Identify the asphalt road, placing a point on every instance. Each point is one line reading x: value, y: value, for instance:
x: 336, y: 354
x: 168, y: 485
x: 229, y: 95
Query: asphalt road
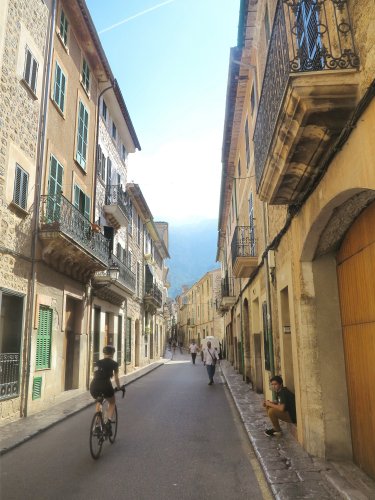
x: 178, y: 438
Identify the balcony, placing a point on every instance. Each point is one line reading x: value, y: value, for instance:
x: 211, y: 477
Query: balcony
x: 115, y: 283
x: 70, y: 244
x: 309, y: 92
x: 228, y: 297
x: 116, y: 207
x: 152, y: 298
x: 243, y: 248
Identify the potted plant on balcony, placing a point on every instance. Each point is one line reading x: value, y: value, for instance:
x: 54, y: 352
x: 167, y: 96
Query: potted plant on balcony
x: 95, y: 227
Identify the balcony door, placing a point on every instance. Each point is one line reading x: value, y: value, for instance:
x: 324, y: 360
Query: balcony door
x: 356, y: 271
x: 308, y: 36
x: 55, y: 189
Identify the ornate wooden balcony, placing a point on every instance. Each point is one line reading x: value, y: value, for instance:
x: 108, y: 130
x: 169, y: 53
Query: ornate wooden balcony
x: 116, y: 283
x: 116, y: 207
x: 309, y: 92
x: 70, y: 244
x: 243, y: 248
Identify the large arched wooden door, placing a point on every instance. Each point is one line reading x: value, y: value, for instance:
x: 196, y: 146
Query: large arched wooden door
x: 356, y: 279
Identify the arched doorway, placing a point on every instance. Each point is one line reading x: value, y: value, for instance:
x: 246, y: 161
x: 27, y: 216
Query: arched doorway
x: 356, y: 272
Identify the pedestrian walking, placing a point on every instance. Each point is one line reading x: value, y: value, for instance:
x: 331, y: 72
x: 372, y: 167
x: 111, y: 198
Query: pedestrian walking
x: 193, y: 349
x: 210, y: 358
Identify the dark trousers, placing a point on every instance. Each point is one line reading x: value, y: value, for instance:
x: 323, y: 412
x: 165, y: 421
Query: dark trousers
x: 193, y: 356
x: 211, y: 372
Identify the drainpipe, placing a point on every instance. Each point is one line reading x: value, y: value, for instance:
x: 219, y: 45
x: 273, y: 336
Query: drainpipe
x: 268, y: 293
x: 35, y: 221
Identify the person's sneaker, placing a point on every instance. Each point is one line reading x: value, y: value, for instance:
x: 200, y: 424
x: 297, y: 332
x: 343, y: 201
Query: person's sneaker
x: 272, y: 432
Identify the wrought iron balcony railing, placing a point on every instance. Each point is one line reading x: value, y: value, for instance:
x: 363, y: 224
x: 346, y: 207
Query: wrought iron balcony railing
x: 307, y: 35
x: 153, y: 292
x: 243, y: 243
x: 58, y: 214
x: 227, y: 287
x: 114, y: 195
x: 9, y: 375
x: 126, y: 276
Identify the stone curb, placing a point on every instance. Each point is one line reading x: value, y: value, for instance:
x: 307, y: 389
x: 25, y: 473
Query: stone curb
x: 82, y: 401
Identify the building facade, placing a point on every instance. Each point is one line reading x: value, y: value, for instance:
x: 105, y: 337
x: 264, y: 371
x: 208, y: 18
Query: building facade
x: 296, y: 224
x: 24, y: 36
x: 197, y: 310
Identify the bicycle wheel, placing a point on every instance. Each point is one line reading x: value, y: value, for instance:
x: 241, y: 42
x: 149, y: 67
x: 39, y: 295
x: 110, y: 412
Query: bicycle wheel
x: 96, y: 435
x: 114, y: 426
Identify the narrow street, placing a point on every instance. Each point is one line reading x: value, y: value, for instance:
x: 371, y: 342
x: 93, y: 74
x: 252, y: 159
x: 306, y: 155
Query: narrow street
x: 177, y: 438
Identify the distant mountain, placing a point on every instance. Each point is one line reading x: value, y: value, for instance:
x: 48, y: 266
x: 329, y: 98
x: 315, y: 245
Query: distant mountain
x: 192, y: 248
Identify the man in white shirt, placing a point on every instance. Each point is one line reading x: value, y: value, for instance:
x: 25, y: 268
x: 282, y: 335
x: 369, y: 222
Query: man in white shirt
x: 210, y: 358
x: 193, y: 349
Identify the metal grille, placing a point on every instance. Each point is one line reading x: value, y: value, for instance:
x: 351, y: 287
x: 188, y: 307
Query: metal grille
x: 58, y: 214
x: 243, y: 243
x: 9, y: 375
x: 115, y: 195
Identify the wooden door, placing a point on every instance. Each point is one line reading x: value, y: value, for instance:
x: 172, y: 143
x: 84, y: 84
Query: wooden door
x: 356, y: 279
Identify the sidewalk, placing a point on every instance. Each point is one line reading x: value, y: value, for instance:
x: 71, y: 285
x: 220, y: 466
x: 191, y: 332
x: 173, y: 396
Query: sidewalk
x: 290, y: 471
x: 15, y: 433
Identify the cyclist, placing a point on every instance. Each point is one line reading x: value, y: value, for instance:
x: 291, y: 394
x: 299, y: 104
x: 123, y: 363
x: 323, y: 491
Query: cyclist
x: 101, y: 384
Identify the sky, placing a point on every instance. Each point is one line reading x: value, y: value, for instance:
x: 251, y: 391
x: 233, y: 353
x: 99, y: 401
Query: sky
x: 171, y: 60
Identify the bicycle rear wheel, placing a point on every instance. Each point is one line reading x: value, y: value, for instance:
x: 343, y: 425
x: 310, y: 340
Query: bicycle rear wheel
x: 96, y: 435
x: 114, y: 426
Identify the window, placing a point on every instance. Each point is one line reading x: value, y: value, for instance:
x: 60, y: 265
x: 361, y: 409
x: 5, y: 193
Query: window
x: 308, y: 37
x: 252, y: 226
x: 247, y: 143
x: 109, y: 172
x: 55, y: 187
x: 85, y: 76
x: 43, y: 339
x: 64, y: 28
x: 21, y: 181
x: 31, y: 70
x: 130, y: 259
x: 138, y: 279
x: 239, y: 167
x: 59, y: 87
x: 83, y: 121
x: 252, y: 99
x: 267, y: 25
x: 128, y: 341
x: 123, y: 152
x: 104, y: 110
x: 101, y: 164
x: 130, y: 225
x: 82, y: 202
x: 114, y: 131
x: 139, y: 227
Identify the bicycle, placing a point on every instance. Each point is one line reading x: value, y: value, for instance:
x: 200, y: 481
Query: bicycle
x: 99, y: 430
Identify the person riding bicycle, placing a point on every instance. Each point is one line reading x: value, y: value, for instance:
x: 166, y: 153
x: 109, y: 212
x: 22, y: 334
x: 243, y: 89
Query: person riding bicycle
x: 101, y: 384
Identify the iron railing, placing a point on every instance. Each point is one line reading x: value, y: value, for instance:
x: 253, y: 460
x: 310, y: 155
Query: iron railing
x: 227, y: 287
x: 9, y: 375
x: 115, y: 195
x: 243, y: 243
x: 154, y: 292
x: 126, y: 276
x: 58, y: 214
x: 307, y: 35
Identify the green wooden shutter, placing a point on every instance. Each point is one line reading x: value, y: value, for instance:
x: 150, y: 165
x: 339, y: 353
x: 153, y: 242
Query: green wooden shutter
x: 59, y: 88
x: 55, y: 180
x: 43, y: 339
x: 82, y: 133
x: 76, y: 196
x: 37, y: 388
x: 87, y: 207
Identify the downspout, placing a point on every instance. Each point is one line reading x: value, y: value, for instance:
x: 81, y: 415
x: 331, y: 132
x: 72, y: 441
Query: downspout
x: 35, y: 221
x: 268, y: 294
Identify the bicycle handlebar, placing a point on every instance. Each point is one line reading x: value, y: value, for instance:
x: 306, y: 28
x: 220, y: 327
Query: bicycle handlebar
x: 122, y: 388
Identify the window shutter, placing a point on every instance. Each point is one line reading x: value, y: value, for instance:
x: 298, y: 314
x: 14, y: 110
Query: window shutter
x: 20, y: 187
x: 34, y: 72
x: 87, y: 207
x: 43, y: 339
x: 26, y: 74
x: 76, y: 196
x: 99, y: 159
